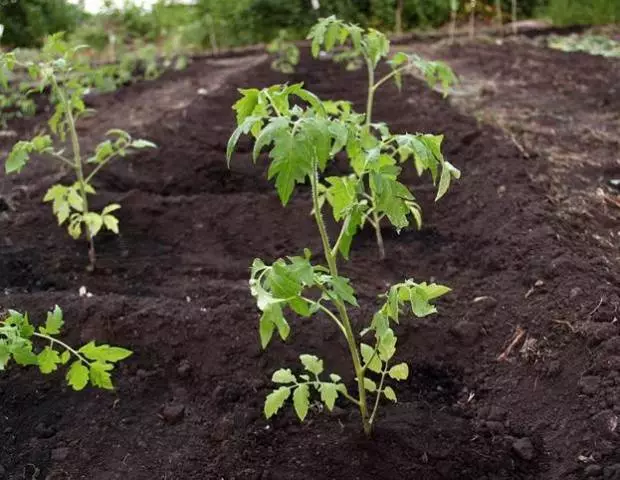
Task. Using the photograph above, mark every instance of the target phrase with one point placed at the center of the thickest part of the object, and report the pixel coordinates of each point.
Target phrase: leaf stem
(390, 75)
(376, 406)
(328, 312)
(53, 340)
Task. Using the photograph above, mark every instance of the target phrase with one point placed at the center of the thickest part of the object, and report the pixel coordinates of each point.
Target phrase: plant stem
(369, 106)
(79, 172)
(340, 306)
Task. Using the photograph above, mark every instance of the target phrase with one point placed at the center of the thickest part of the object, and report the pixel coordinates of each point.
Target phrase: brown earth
(173, 288)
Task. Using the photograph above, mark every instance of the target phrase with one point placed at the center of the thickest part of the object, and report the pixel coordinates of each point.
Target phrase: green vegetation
(59, 70)
(286, 54)
(592, 44)
(91, 363)
(303, 136)
(583, 12)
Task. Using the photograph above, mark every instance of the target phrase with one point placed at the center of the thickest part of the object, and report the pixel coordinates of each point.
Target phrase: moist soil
(173, 288)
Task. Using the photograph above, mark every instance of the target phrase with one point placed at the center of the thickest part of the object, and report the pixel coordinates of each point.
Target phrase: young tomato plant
(60, 71)
(286, 54)
(373, 151)
(90, 363)
(302, 140)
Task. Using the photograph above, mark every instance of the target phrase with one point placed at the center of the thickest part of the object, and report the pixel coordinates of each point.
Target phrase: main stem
(340, 306)
(369, 104)
(79, 172)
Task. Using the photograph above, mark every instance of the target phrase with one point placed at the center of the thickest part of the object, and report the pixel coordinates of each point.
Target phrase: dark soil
(173, 288)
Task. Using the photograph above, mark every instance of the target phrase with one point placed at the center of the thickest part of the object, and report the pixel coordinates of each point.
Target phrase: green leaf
(276, 126)
(75, 200)
(284, 375)
(77, 376)
(54, 322)
(110, 208)
(290, 164)
(111, 223)
(312, 363)
(99, 375)
(329, 394)
(447, 172)
(94, 221)
(275, 400)
(335, 378)
(5, 355)
(23, 355)
(18, 157)
(399, 372)
(104, 353)
(301, 401)
(387, 344)
(371, 360)
(266, 328)
(65, 357)
(246, 104)
(342, 290)
(370, 385)
(140, 143)
(389, 393)
(48, 360)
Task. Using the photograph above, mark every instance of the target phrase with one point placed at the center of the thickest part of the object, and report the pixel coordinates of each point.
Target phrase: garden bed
(173, 288)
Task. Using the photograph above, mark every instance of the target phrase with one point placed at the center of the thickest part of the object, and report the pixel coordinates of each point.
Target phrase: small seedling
(89, 363)
(303, 135)
(286, 54)
(374, 152)
(60, 71)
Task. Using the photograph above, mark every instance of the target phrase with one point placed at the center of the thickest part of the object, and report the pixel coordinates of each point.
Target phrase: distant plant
(375, 164)
(15, 103)
(303, 136)
(286, 54)
(61, 73)
(92, 363)
(592, 44)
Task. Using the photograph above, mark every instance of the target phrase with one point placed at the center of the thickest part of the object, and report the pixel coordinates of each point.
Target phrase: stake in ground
(302, 139)
(65, 77)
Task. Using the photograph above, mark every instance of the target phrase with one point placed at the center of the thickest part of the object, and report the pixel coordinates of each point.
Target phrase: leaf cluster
(90, 363)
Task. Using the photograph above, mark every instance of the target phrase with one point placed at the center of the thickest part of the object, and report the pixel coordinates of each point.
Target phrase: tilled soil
(173, 288)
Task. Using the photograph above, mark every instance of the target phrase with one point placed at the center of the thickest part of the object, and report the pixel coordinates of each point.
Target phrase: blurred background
(215, 24)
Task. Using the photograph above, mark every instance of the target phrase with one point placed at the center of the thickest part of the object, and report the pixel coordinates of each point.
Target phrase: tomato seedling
(286, 54)
(60, 71)
(303, 134)
(373, 151)
(89, 363)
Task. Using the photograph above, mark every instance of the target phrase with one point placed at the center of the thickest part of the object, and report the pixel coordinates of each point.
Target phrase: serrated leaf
(94, 222)
(110, 208)
(312, 363)
(99, 375)
(54, 322)
(399, 372)
(329, 394)
(335, 378)
(17, 159)
(342, 290)
(275, 400)
(284, 375)
(104, 353)
(77, 376)
(275, 127)
(301, 401)
(23, 355)
(5, 355)
(371, 359)
(48, 360)
(389, 393)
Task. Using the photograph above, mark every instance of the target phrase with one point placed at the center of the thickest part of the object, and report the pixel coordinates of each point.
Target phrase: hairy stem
(79, 172)
(369, 106)
(340, 306)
